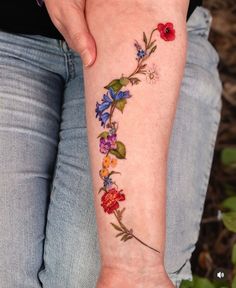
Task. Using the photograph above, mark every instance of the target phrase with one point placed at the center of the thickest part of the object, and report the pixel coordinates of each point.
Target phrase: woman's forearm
(129, 124)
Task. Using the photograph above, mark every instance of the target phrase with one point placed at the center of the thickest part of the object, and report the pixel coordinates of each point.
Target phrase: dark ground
(214, 247)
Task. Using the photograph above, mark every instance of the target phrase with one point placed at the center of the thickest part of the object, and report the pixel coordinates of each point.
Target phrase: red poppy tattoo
(116, 98)
(167, 31)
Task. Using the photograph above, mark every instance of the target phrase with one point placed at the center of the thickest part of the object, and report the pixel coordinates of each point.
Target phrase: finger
(74, 28)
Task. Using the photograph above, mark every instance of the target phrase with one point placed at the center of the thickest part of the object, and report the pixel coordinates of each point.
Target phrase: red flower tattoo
(167, 31)
(110, 200)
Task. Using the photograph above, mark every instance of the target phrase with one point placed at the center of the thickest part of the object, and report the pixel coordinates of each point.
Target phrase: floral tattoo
(113, 149)
(151, 74)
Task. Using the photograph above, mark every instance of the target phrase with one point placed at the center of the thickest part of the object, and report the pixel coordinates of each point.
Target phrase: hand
(148, 278)
(69, 18)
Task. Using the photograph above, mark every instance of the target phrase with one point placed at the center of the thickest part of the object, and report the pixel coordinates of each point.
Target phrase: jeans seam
(53, 187)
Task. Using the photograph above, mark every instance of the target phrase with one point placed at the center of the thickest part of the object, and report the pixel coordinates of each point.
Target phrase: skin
(145, 126)
(69, 18)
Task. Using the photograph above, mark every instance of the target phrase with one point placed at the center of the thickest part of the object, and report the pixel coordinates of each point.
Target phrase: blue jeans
(48, 235)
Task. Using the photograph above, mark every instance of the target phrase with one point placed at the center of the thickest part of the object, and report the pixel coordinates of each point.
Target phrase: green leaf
(230, 190)
(228, 156)
(186, 284)
(134, 80)
(229, 220)
(143, 66)
(115, 85)
(230, 203)
(120, 151)
(102, 189)
(113, 172)
(234, 282)
(120, 104)
(151, 44)
(122, 210)
(119, 234)
(153, 50)
(220, 284)
(200, 282)
(128, 237)
(124, 237)
(233, 257)
(145, 38)
(116, 227)
(103, 134)
(119, 214)
(124, 81)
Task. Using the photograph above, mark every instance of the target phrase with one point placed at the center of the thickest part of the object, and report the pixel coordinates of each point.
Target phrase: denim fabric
(192, 146)
(47, 218)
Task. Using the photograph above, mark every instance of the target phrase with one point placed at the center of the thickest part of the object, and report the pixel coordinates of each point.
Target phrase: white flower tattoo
(152, 74)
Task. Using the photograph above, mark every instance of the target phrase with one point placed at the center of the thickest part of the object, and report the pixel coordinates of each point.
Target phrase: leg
(29, 124)
(192, 146)
(71, 254)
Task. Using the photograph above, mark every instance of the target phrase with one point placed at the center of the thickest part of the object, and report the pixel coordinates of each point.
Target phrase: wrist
(148, 278)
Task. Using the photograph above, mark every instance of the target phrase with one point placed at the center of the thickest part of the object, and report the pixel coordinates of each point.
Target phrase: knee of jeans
(70, 275)
(201, 71)
(200, 21)
(202, 83)
(72, 260)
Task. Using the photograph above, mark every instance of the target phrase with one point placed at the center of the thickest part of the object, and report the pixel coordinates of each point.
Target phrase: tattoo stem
(111, 112)
(128, 231)
(145, 58)
(151, 37)
(136, 70)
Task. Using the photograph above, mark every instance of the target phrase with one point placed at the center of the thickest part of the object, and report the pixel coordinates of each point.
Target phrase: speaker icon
(220, 274)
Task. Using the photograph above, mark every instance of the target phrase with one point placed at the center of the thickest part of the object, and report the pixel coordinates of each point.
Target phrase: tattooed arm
(131, 94)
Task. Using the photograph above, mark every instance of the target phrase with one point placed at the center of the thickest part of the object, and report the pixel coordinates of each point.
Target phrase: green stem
(111, 112)
(151, 37)
(113, 106)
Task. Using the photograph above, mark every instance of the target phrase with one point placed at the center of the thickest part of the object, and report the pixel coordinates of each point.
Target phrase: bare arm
(130, 130)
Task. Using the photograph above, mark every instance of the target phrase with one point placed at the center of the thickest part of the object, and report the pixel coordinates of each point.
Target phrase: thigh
(192, 146)
(29, 124)
(71, 256)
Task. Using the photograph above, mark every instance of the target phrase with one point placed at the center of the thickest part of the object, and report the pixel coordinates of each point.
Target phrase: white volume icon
(220, 275)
